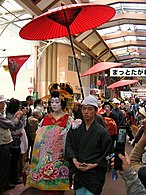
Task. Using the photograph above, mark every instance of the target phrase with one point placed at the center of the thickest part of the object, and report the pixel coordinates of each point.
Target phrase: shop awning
(99, 67)
(121, 83)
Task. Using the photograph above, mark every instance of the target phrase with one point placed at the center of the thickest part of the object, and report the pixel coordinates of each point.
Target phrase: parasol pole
(74, 55)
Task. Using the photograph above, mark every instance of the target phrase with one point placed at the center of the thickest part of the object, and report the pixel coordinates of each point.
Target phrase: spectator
(129, 124)
(100, 109)
(133, 183)
(110, 120)
(136, 106)
(142, 112)
(116, 111)
(122, 107)
(39, 105)
(136, 156)
(33, 122)
(29, 105)
(24, 142)
(5, 140)
(15, 148)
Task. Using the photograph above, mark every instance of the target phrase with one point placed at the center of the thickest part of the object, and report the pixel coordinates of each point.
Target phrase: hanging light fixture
(127, 51)
(129, 29)
(119, 28)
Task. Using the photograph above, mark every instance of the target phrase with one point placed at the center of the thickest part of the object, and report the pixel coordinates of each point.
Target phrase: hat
(142, 111)
(2, 99)
(116, 101)
(107, 103)
(90, 100)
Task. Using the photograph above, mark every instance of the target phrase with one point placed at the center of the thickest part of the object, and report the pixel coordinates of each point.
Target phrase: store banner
(127, 72)
(14, 65)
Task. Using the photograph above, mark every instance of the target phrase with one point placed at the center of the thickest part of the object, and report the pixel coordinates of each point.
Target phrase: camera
(120, 147)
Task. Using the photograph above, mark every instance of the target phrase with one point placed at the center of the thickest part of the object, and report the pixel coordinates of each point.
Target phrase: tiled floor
(17, 190)
(110, 188)
(116, 187)
(21, 190)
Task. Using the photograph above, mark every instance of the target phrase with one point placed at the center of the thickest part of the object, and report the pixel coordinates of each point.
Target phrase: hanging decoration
(14, 65)
(5, 67)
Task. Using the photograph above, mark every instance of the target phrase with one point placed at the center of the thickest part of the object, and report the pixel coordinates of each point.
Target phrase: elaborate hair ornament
(65, 90)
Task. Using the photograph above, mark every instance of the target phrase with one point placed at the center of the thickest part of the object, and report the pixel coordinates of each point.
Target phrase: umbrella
(67, 20)
(99, 67)
(121, 83)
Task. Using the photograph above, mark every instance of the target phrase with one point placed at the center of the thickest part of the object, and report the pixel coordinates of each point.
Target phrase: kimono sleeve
(106, 148)
(69, 146)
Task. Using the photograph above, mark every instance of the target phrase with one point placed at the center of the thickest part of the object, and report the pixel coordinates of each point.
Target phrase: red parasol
(67, 20)
(99, 67)
(121, 83)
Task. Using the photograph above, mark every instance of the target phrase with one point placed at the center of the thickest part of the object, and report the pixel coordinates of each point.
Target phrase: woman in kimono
(48, 169)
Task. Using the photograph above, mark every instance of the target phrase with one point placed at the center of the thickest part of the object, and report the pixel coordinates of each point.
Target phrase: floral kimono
(48, 169)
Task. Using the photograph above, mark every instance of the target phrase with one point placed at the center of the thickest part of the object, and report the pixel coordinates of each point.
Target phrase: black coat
(89, 146)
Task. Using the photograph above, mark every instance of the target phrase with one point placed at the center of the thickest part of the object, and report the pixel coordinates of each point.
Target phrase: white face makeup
(99, 102)
(55, 104)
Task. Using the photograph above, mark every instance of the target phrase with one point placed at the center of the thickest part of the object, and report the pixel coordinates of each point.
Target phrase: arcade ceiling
(122, 39)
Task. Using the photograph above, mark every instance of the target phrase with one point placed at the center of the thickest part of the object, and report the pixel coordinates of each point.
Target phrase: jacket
(135, 157)
(133, 184)
(5, 126)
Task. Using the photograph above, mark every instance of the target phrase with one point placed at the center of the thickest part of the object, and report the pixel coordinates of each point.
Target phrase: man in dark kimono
(86, 149)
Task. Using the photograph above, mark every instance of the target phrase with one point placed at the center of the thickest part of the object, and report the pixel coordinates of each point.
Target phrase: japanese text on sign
(129, 72)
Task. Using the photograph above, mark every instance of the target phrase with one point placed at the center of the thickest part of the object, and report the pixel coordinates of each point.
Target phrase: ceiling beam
(124, 34)
(85, 49)
(132, 57)
(126, 44)
(29, 7)
(143, 61)
(129, 51)
(104, 52)
(106, 45)
(51, 5)
(96, 44)
(82, 36)
(108, 59)
(125, 18)
(36, 1)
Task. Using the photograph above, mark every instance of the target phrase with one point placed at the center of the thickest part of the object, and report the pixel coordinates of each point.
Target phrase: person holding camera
(133, 183)
(6, 126)
(136, 156)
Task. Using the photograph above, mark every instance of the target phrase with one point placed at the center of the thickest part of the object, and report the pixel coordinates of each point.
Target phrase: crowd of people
(67, 143)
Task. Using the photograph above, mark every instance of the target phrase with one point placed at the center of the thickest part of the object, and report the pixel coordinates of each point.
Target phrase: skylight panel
(115, 40)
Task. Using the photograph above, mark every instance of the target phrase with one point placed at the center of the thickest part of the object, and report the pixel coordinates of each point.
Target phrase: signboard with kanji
(127, 72)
